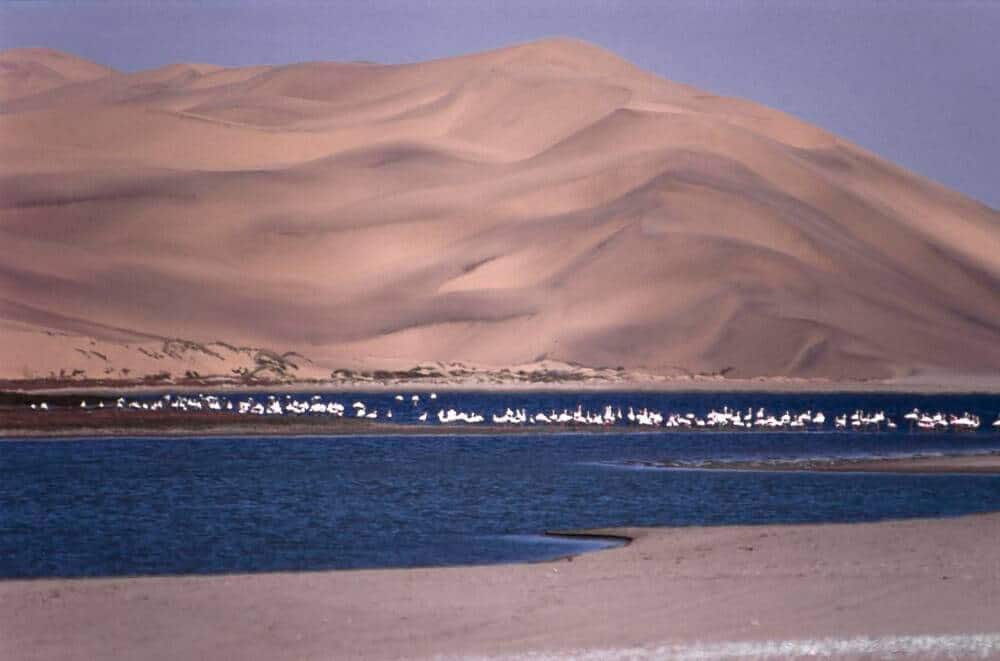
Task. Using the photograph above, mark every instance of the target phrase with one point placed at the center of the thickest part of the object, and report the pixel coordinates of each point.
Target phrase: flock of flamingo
(726, 419)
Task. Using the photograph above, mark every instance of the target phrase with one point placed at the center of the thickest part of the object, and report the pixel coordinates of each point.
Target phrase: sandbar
(969, 462)
(669, 589)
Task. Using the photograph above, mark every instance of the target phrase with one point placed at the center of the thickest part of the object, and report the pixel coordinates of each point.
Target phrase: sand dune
(546, 201)
(30, 71)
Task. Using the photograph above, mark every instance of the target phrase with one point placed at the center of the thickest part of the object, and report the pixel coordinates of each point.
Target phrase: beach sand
(934, 581)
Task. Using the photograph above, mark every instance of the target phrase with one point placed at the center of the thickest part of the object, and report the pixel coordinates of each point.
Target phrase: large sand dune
(547, 201)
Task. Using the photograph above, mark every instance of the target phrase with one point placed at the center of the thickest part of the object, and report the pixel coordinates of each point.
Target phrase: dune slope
(543, 202)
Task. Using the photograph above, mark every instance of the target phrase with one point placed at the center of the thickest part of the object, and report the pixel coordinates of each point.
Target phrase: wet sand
(66, 419)
(22, 423)
(690, 587)
(19, 422)
(957, 463)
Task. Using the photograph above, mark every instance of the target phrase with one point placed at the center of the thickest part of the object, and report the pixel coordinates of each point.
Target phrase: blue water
(108, 507)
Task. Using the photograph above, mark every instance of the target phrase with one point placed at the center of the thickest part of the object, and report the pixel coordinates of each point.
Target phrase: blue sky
(917, 82)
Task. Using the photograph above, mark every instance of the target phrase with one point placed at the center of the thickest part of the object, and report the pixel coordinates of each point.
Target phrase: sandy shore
(18, 422)
(22, 423)
(956, 463)
(936, 582)
(66, 419)
(936, 384)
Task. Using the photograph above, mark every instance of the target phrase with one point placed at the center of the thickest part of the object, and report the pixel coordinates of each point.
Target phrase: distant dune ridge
(542, 202)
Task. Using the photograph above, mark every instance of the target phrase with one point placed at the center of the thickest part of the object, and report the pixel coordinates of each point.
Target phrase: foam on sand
(971, 646)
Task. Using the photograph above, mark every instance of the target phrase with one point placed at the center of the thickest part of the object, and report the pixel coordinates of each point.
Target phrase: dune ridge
(542, 202)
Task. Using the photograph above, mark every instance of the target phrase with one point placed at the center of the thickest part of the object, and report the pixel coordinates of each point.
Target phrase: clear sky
(916, 81)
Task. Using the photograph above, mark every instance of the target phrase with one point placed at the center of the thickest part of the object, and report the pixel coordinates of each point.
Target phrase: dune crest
(545, 201)
(27, 71)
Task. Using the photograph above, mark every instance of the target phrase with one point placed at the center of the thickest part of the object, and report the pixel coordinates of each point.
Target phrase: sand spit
(60, 414)
(982, 463)
(21, 423)
(919, 588)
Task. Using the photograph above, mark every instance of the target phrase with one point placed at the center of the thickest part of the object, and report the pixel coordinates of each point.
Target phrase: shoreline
(19, 424)
(774, 385)
(65, 418)
(986, 462)
(112, 424)
(667, 587)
